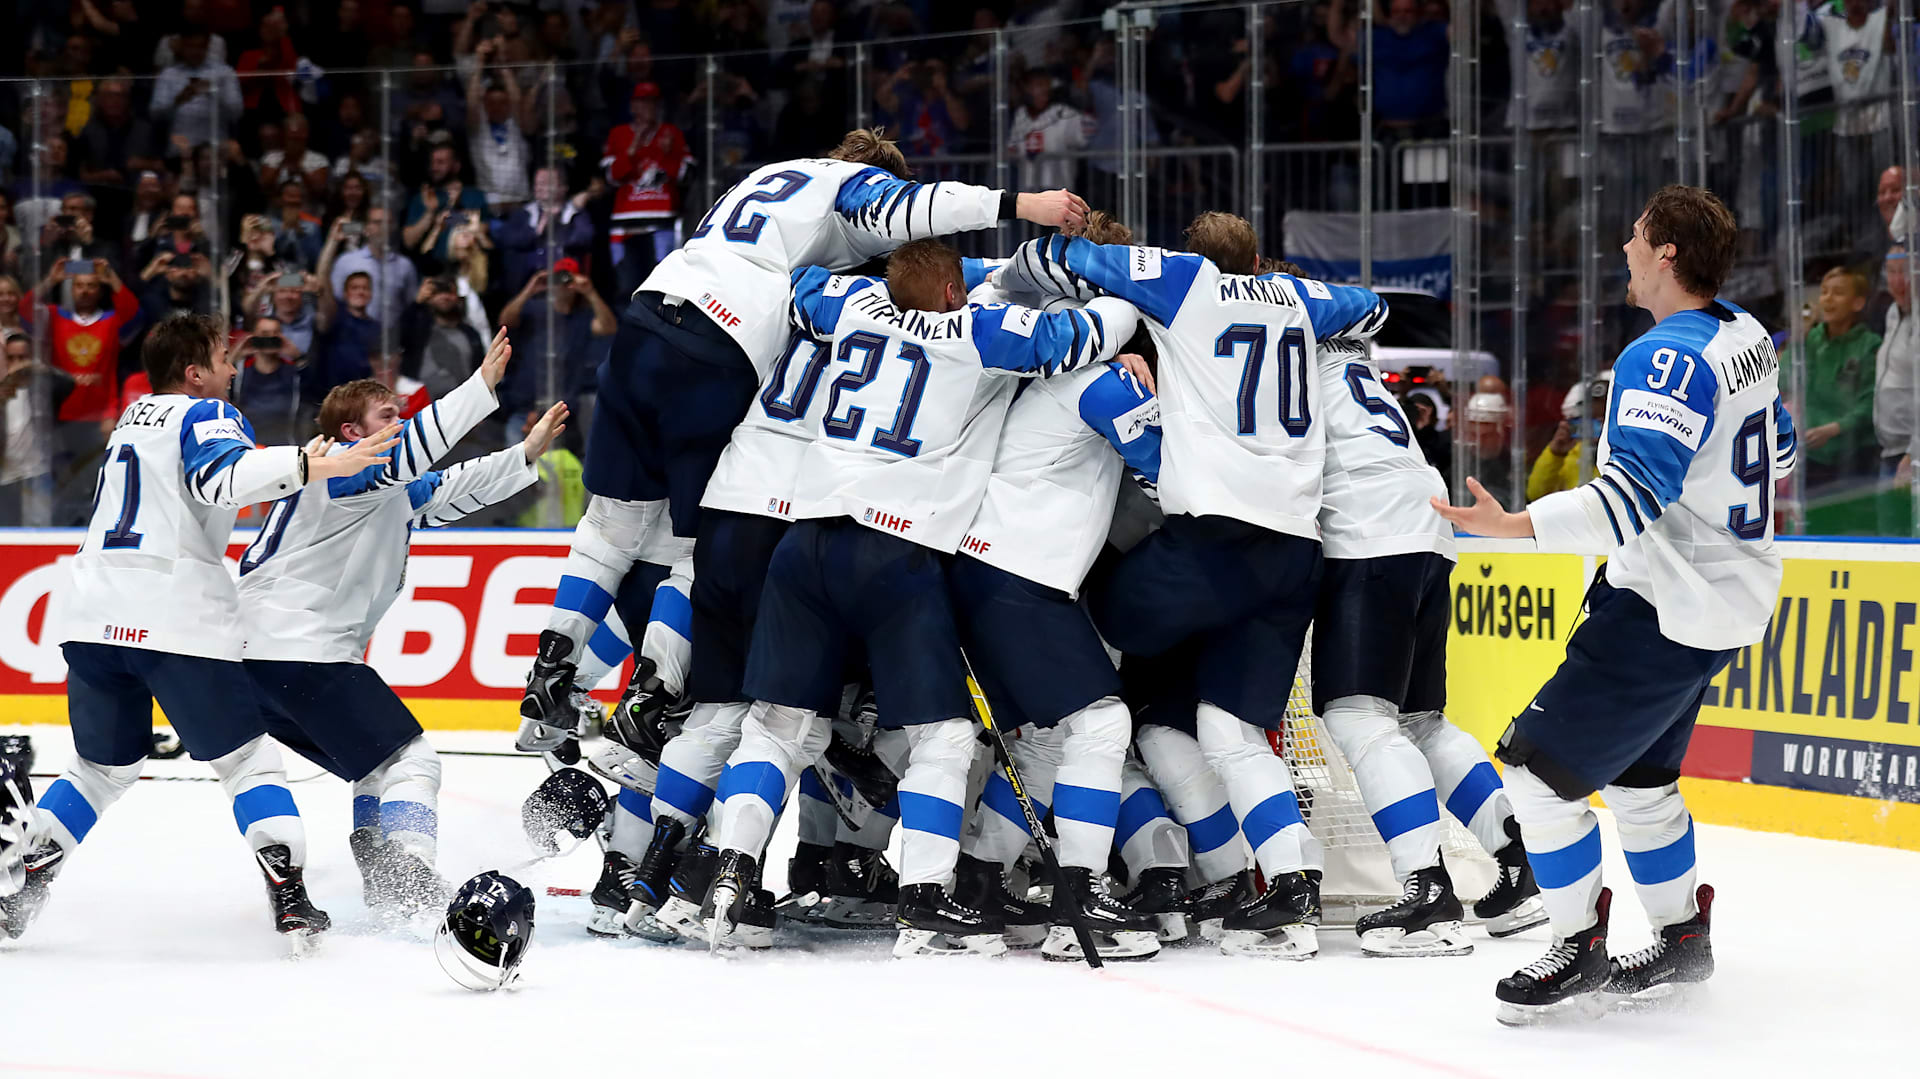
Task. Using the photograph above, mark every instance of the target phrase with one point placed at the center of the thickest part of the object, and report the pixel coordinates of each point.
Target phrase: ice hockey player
(696, 340)
(1696, 435)
(328, 562)
(1015, 582)
(1222, 593)
(1379, 661)
(903, 440)
(150, 614)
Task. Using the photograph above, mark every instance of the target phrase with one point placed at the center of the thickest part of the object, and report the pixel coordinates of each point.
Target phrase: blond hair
(347, 403)
(1103, 228)
(870, 146)
(1226, 240)
(918, 274)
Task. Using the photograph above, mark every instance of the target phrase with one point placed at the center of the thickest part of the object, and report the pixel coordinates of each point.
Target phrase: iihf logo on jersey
(779, 507)
(883, 519)
(124, 634)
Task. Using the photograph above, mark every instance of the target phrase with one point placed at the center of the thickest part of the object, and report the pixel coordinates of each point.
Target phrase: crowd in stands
(368, 187)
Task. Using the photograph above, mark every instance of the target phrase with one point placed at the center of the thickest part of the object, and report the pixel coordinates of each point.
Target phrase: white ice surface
(155, 959)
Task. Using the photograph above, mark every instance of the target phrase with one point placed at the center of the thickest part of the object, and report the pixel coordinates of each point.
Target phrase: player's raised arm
(1153, 280)
(444, 496)
(1339, 312)
(899, 211)
(1025, 341)
(819, 295)
(433, 431)
(1127, 414)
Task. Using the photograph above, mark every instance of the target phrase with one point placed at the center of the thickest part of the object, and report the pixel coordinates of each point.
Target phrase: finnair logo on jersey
(1134, 422)
(975, 545)
(123, 634)
(718, 310)
(1145, 264)
(890, 522)
(1653, 412)
(216, 430)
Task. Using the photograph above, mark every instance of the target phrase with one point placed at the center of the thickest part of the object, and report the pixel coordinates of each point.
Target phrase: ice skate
(294, 915)
(549, 716)
(1565, 983)
(1162, 894)
(1681, 957)
(687, 890)
(736, 913)
(1513, 905)
(806, 898)
(1283, 923)
(404, 885)
(1208, 906)
(982, 886)
(932, 923)
(617, 910)
(863, 891)
(18, 910)
(1426, 921)
(646, 718)
(365, 843)
(1119, 932)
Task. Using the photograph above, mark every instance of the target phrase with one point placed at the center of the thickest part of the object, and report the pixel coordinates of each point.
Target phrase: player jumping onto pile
(1696, 435)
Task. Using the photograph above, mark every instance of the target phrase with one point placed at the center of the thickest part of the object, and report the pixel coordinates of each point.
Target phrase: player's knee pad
(1038, 749)
(613, 532)
(1516, 750)
(800, 733)
(668, 638)
(713, 729)
(1100, 731)
(416, 767)
(249, 765)
(947, 745)
(1226, 740)
(1358, 724)
(1548, 821)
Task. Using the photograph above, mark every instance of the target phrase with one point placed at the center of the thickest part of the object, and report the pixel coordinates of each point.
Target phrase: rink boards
(1814, 731)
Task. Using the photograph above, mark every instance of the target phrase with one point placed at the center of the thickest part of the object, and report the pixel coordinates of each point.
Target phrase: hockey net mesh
(1359, 876)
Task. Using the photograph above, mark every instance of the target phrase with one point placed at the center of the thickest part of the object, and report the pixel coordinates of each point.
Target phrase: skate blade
(1122, 947)
(301, 943)
(1023, 937)
(640, 922)
(1671, 996)
(1292, 942)
(607, 923)
(1531, 912)
(844, 913)
(618, 764)
(1440, 938)
(925, 943)
(1210, 930)
(1174, 928)
(1584, 1008)
(683, 918)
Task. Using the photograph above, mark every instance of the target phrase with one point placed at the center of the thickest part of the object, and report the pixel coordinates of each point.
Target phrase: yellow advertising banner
(1512, 614)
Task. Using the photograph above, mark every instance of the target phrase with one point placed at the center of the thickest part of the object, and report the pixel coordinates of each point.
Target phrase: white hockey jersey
(810, 212)
(332, 557)
(902, 436)
(1239, 388)
(1374, 499)
(1696, 435)
(150, 572)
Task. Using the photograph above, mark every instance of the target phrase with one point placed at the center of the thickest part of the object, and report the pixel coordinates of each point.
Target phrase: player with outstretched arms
(693, 346)
(150, 614)
(329, 560)
(1215, 605)
(1696, 435)
(904, 413)
(1380, 663)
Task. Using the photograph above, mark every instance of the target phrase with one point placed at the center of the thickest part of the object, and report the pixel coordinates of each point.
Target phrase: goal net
(1359, 878)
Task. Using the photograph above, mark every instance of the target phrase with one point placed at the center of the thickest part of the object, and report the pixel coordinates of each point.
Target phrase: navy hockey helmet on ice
(487, 930)
(568, 800)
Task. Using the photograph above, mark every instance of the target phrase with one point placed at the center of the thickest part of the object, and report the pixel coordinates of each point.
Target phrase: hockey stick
(1077, 918)
(843, 806)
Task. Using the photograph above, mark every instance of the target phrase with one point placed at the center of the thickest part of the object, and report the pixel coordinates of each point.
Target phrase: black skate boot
(862, 889)
(687, 890)
(806, 898)
(864, 769)
(18, 910)
(1683, 955)
(651, 876)
(1210, 905)
(365, 843)
(404, 884)
(1119, 932)
(1162, 894)
(645, 719)
(982, 886)
(549, 717)
(1564, 983)
(294, 915)
(1513, 905)
(612, 896)
(724, 915)
(1426, 921)
(934, 923)
(1282, 923)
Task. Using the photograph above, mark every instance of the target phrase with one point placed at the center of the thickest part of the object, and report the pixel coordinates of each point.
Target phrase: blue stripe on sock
(636, 803)
(607, 646)
(810, 787)
(583, 597)
(688, 795)
(1141, 808)
(1269, 817)
(1663, 864)
(408, 817)
(758, 779)
(999, 797)
(1414, 811)
(366, 811)
(672, 609)
(270, 800)
(70, 808)
(925, 813)
(1480, 784)
(1560, 868)
(1213, 832)
(1088, 805)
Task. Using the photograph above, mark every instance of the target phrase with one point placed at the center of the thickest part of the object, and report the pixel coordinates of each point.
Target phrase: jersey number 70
(1294, 414)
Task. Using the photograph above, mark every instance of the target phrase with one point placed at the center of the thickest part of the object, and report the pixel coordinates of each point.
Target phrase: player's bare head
(1103, 228)
(351, 407)
(1692, 236)
(1293, 269)
(925, 275)
(870, 146)
(188, 354)
(1226, 240)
